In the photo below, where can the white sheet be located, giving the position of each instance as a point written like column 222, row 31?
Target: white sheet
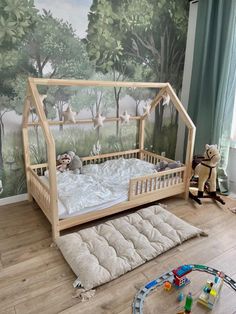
column 99, row 186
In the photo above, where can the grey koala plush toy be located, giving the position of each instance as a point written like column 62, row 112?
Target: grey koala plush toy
column 76, row 163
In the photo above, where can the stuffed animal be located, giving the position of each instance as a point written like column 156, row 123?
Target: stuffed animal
column 76, row 163
column 63, row 162
column 165, row 165
column 206, row 171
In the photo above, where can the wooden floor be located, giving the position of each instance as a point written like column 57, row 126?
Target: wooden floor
column 34, row 278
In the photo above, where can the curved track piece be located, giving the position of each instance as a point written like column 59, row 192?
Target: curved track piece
column 169, row 276
column 144, row 291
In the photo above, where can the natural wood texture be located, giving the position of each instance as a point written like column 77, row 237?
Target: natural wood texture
column 103, row 157
column 141, row 137
column 142, row 190
column 34, row 277
column 82, row 121
column 51, row 152
column 156, row 101
column 188, row 159
column 65, row 82
column 191, row 136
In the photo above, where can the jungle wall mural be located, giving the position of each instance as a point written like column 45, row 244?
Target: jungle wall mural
column 126, row 40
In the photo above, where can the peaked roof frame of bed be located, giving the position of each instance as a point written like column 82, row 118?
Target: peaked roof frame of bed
column 33, row 99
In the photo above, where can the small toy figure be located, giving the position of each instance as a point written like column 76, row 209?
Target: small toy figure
column 167, row 286
column 76, row 163
column 180, row 279
column 188, row 303
column 63, row 162
column 180, row 297
column 211, row 291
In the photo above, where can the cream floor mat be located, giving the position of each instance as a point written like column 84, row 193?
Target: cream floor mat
column 104, row 252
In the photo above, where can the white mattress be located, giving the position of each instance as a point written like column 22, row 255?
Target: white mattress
column 99, row 186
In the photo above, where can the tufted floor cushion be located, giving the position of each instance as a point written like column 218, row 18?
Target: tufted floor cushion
column 101, row 253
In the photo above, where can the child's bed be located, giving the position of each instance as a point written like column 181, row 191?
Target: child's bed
column 109, row 183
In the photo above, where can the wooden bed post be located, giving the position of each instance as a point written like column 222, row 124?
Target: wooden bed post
column 51, row 152
column 191, row 137
column 156, row 101
column 188, row 159
column 25, row 136
column 141, row 136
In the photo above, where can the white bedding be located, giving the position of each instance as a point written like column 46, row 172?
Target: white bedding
column 99, row 186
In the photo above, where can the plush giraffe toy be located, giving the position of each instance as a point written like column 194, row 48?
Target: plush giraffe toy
column 206, row 172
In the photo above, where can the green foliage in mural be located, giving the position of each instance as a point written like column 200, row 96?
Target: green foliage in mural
column 39, row 45
column 128, row 40
column 17, row 18
column 55, row 50
column 150, row 35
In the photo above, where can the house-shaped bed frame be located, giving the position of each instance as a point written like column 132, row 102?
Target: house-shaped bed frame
column 142, row 190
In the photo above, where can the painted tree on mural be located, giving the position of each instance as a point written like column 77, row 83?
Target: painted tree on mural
column 55, row 51
column 43, row 46
column 140, row 32
column 17, row 18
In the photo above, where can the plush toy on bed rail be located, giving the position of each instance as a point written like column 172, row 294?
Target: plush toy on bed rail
column 205, row 170
column 76, row 163
column 63, row 162
column 69, row 161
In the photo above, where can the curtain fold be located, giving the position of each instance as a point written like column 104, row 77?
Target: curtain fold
column 213, row 79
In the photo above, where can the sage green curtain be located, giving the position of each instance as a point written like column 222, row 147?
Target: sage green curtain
column 213, row 80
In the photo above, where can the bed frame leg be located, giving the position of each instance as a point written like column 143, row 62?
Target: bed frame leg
column 30, row 197
column 186, row 195
column 55, row 233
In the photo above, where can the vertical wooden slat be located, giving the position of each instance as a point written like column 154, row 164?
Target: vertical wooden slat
column 51, row 152
column 25, row 136
column 188, row 160
column 141, row 136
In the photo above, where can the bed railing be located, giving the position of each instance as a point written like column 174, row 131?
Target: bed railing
column 104, row 157
column 135, row 153
column 172, row 179
column 40, row 190
column 152, row 157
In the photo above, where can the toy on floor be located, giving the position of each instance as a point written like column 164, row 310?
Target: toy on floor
column 205, row 170
column 180, row 279
column 167, row 286
column 170, row 277
column 180, row 297
column 188, row 303
column 211, row 291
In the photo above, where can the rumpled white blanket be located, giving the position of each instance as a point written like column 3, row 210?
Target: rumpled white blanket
column 99, row 185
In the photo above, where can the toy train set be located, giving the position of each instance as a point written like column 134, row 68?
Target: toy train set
column 177, row 277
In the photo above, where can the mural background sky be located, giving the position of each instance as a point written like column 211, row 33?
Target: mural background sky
column 73, row 11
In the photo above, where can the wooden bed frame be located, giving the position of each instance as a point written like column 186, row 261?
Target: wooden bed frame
column 142, row 190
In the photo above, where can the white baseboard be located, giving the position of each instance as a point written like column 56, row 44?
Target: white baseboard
column 13, row 199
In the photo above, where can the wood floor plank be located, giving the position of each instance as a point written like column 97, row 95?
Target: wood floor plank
column 25, row 252
column 23, row 239
column 36, row 284
column 49, row 303
column 10, row 310
column 34, row 277
column 110, row 299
